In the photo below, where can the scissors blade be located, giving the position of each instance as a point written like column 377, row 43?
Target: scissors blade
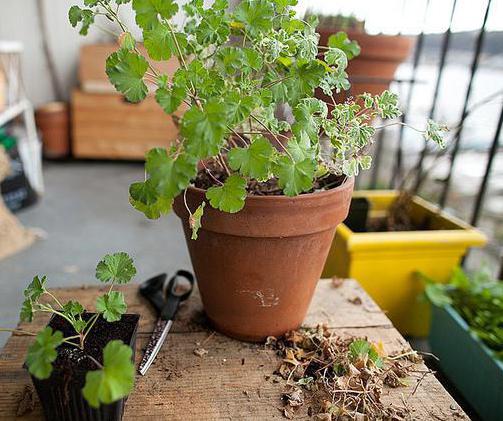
column 157, row 338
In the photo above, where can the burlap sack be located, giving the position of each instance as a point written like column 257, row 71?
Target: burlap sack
column 13, row 236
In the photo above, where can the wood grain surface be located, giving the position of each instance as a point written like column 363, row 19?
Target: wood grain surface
column 233, row 381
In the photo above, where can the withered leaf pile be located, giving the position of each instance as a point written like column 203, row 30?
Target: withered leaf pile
column 339, row 378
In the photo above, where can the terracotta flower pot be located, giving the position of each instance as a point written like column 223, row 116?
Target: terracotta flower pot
column 374, row 69
column 257, row 269
column 53, row 122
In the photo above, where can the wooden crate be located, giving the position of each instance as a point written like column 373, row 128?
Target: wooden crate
column 92, row 76
column 105, row 126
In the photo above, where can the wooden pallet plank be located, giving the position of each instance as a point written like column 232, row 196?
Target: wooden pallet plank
column 231, row 381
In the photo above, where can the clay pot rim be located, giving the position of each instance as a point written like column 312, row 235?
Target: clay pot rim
column 52, row 107
column 302, row 196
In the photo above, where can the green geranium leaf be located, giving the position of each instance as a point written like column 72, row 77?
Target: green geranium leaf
column 350, row 167
column 115, row 380
column 230, row 59
column 169, row 176
column 213, row 29
column 340, row 40
column 170, row 99
column 148, row 11
column 362, row 350
column 73, row 308
column 144, row 198
column 336, row 57
column 255, row 161
column 295, row 177
column 230, row 197
column 251, row 60
column 86, row 16
column 436, row 132
column 239, row 107
column 257, row 15
column 308, row 115
column 300, row 148
column 125, row 70
column 36, row 288
column 283, row 5
column 112, row 305
column 305, row 77
column 204, row 129
column 387, row 105
column 79, row 325
column 160, row 42
column 27, row 311
column 117, row 267
column 195, row 220
column 42, row 353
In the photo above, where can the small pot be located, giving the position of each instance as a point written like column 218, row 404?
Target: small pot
column 53, row 121
column 61, row 394
column 257, row 269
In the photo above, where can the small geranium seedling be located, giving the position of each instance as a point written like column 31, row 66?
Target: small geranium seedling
column 113, row 379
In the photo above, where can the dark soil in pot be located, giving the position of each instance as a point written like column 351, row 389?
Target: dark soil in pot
column 61, row 394
column 257, row 269
column 267, row 188
column 397, row 219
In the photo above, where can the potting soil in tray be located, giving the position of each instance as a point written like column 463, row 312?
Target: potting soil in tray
column 70, row 357
column 61, row 394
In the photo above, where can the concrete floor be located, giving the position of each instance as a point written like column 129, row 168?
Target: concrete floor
column 86, row 214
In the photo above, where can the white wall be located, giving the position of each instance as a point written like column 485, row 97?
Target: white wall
column 18, row 22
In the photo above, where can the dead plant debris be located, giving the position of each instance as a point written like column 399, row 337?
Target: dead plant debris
column 357, row 301
column 339, row 378
column 200, row 352
column 337, row 282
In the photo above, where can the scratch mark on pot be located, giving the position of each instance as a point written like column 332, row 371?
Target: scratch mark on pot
column 266, row 298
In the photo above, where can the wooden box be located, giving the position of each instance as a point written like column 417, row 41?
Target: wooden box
column 105, row 126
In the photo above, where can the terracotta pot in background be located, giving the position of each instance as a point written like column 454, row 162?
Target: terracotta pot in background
column 53, row 122
column 257, row 269
column 374, row 69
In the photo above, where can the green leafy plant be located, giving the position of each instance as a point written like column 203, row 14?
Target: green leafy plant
column 478, row 298
column 115, row 376
column 237, row 69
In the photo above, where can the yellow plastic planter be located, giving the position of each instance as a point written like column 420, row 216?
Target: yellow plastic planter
column 386, row 263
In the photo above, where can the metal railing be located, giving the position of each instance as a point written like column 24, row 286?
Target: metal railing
column 397, row 170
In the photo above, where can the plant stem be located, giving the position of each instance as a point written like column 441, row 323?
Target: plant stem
column 94, row 360
column 54, row 298
column 222, row 162
column 46, row 309
column 272, row 134
column 210, row 174
column 88, row 329
column 399, row 123
column 185, row 202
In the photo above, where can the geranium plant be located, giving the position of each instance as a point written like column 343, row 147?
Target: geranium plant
column 237, row 69
column 114, row 377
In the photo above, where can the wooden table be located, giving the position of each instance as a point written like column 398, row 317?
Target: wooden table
column 232, row 380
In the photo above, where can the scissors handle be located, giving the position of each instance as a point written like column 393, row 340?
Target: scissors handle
column 152, row 290
column 176, row 292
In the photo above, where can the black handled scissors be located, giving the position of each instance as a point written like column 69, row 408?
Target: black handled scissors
column 166, row 299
